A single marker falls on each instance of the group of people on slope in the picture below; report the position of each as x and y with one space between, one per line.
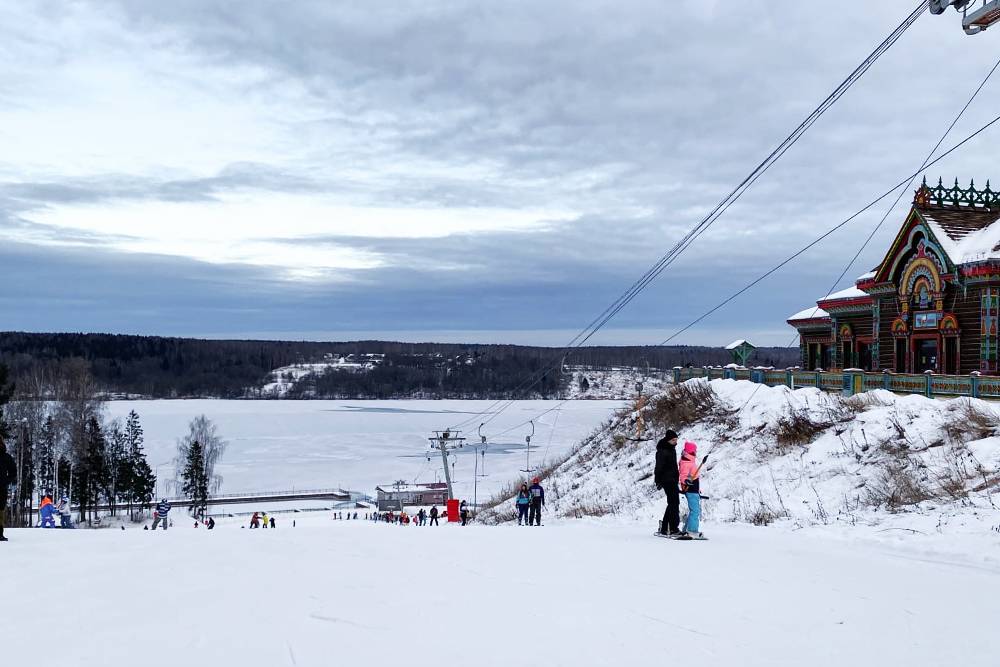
676 478
402 518
261 520
47 512
422 517
530 500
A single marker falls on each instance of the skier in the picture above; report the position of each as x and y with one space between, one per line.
537 502
255 520
161 514
688 472
665 476
523 500
8 475
434 516
272 522
463 511
48 512
65 519
263 520
211 523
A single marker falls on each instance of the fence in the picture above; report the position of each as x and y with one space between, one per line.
854 381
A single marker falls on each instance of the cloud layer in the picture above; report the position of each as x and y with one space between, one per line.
419 168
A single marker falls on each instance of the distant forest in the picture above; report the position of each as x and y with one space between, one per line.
157 367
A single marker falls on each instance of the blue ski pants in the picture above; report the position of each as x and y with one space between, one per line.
694 512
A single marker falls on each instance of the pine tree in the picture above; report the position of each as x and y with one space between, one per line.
25 467
91 475
195 480
141 482
64 476
46 464
117 465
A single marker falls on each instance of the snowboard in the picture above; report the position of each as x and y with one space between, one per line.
683 538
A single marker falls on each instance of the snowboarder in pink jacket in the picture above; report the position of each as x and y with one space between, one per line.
688 471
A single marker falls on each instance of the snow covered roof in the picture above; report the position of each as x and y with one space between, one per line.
412 488
809 314
738 343
867 276
849 293
965 234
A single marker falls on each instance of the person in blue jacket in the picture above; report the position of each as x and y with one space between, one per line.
48 512
537 501
162 514
523 500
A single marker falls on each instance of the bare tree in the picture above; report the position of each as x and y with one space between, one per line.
201 430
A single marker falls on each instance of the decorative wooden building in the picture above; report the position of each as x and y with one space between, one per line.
931 304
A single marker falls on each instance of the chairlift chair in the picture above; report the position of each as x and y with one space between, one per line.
974 20
527 440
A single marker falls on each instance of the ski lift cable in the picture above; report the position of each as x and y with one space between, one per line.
902 185
658 267
689 238
927 162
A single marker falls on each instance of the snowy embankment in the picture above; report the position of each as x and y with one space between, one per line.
574 594
613 384
804 456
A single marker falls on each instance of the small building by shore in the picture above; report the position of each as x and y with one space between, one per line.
395 497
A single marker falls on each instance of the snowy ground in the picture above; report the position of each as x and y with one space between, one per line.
572 593
281 445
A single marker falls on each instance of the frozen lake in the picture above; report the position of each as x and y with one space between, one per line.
278 445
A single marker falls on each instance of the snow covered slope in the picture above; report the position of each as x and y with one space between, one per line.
613 383
806 456
282 380
578 594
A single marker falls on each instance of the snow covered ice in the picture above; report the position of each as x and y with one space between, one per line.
278 445
571 593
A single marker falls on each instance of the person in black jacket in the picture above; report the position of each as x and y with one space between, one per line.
8 475
666 478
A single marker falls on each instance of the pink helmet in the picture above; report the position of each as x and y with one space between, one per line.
690 447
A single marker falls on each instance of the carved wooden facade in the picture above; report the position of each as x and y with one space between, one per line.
933 302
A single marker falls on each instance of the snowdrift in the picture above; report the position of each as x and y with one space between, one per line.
776 454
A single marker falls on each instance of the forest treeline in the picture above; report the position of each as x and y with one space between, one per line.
159 367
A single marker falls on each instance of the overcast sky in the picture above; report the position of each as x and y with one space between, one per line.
488 171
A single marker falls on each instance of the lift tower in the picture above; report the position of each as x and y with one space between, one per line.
977 15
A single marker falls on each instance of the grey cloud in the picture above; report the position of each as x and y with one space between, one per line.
639 117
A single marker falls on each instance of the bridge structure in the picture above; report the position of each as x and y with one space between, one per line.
335 496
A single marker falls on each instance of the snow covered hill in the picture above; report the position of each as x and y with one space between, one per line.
803 456
612 383
282 380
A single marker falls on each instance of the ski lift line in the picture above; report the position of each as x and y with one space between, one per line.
927 162
777 153
657 269
552 433
830 231
923 166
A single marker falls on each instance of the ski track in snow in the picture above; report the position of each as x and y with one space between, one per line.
574 593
